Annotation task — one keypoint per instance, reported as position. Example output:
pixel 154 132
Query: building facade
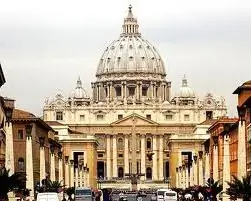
pixel 131 95
pixel 244 131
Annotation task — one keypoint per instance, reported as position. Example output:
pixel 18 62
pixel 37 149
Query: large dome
pixel 130 53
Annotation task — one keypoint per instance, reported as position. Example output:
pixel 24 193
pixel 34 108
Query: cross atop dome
pixel 130 26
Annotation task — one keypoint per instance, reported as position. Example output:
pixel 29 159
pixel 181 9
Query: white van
pixel 166 195
pixel 48 196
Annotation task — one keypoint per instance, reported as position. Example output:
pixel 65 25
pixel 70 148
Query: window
pixel 144 91
pixel 82 117
pixel 120 155
pixel 169 117
pixel 120 144
pixel 148 116
pixel 148 143
pixel 100 155
pixel 131 91
pixel 120 116
pixel 20 134
pixel 186 117
pixel 100 117
pixel 59 116
pixel 21 164
pixel 209 115
pixel 118 91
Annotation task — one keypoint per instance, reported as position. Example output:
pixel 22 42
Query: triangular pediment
pixel 134 119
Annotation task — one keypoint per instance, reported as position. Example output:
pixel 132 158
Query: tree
pixel 54 186
pixel 240 188
pixel 9 182
pixel 214 188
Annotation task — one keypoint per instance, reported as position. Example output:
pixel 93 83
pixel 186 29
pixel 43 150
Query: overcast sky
pixel 45 45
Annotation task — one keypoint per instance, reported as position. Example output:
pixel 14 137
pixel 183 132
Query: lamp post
pixel 8 114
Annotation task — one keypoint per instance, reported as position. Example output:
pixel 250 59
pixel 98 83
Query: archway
pixel 100 169
pixel 120 172
pixel 149 173
pixel 167 169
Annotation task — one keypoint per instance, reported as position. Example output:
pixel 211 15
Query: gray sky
pixel 45 45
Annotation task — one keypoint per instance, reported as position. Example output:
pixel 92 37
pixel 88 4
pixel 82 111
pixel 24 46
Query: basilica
pixel 131 115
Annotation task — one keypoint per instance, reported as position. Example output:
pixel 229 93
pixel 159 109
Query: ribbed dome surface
pixel 131 53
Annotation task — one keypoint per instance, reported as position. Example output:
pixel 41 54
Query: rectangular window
pixel 118 91
pixel 148 116
pixel 209 115
pixel 131 91
pixel 144 91
pixel 100 117
pixel 82 117
pixel 100 155
pixel 169 117
pixel 120 116
pixel 186 117
pixel 120 155
pixel 59 116
pixel 20 134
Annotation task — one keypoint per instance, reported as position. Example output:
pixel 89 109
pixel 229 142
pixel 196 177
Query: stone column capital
pixel 41 141
pixel 200 154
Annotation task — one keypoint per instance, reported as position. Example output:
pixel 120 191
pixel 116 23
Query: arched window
pixel 120 172
pixel 21 164
pixel 120 144
pixel 148 143
pixel 149 173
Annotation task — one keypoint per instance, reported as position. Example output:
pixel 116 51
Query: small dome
pixel 185 90
pixel 79 92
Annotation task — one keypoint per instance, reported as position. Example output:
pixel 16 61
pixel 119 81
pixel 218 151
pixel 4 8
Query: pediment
pixel 134 119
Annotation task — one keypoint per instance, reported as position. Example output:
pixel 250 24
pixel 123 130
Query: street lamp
pixel 8 114
pixel 28 129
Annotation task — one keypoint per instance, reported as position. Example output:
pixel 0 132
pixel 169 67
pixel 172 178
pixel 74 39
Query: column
pixel 215 160
pixel 125 91
pixel 140 90
pixel 184 176
pixel 201 179
pixel 66 176
pixel 29 164
pixel 207 167
pixel 180 177
pixel 137 91
pixel 226 166
pixel 114 156
pixel 84 176
pixel 177 177
pixel 191 174
pixel 122 89
pixel 76 177
pixel 42 159
pixel 161 162
pixel 52 165
pixel 187 175
pixel 81 176
pixel 9 153
pixel 143 156
pixel 126 155
pixel 87 178
pixel 155 165
pixel 195 172
pixel 60 168
pixel 242 161
pixel 71 173
pixel 108 156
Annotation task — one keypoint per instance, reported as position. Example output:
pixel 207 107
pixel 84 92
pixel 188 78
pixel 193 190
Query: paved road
pixel 131 197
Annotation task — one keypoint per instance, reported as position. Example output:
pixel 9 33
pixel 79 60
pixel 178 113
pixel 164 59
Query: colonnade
pixel 193 172
pixel 102 91
pixel 157 158
pixel 75 176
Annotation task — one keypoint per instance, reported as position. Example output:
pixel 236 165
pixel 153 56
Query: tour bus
pixel 166 195
pixel 83 194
